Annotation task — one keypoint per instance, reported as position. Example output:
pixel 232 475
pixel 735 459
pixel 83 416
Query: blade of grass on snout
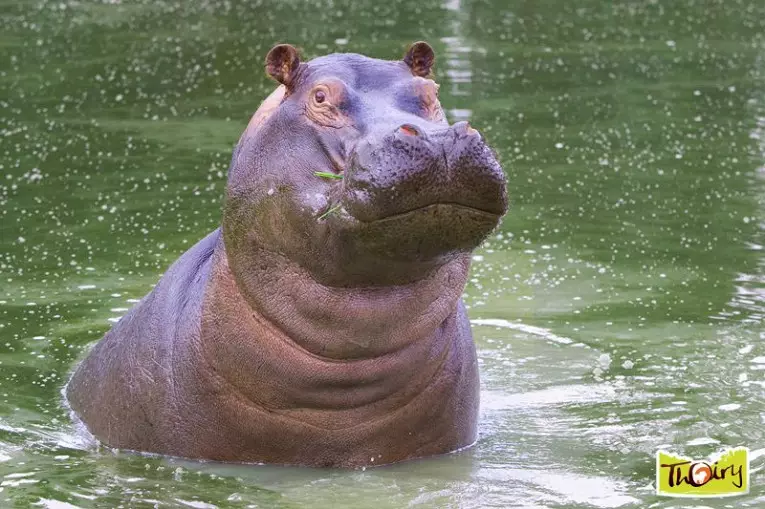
pixel 327 175
pixel 330 211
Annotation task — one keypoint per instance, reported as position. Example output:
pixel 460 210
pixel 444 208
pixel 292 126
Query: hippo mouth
pixel 485 199
pixel 458 208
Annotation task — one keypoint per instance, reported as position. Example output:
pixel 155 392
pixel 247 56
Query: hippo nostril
pixel 409 130
pixel 463 130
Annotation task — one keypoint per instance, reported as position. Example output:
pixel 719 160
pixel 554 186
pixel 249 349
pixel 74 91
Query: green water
pixel 618 309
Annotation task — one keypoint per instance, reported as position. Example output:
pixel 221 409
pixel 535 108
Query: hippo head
pixel 351 171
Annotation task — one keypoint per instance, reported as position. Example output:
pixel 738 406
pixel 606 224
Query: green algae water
pixel 618 309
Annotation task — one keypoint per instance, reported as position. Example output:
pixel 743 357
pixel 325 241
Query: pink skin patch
pixel 411 131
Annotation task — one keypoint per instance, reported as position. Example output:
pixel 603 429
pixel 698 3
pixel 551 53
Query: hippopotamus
pixel 322 323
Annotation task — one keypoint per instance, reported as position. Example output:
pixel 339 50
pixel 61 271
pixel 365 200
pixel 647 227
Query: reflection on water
pixel 456 59
pixel 618 310
pixel 748 303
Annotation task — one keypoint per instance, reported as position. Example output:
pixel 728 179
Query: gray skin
pixel 322 324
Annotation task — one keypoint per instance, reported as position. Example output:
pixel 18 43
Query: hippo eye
pixel 324 104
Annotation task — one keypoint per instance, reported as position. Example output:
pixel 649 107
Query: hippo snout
pixel 412 168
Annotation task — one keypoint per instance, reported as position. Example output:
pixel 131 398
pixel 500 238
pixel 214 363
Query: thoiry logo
pixel 725 476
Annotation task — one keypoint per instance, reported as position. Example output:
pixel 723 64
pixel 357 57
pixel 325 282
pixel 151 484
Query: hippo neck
pixel 348 323
pixel 289 344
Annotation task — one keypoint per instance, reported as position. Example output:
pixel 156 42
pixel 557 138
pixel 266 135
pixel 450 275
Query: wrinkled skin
pixel 322 323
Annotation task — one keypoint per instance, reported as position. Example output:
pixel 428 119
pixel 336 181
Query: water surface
pixel 617 310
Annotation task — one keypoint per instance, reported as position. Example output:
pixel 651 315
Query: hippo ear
pixel 282 63
pixel 420 59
